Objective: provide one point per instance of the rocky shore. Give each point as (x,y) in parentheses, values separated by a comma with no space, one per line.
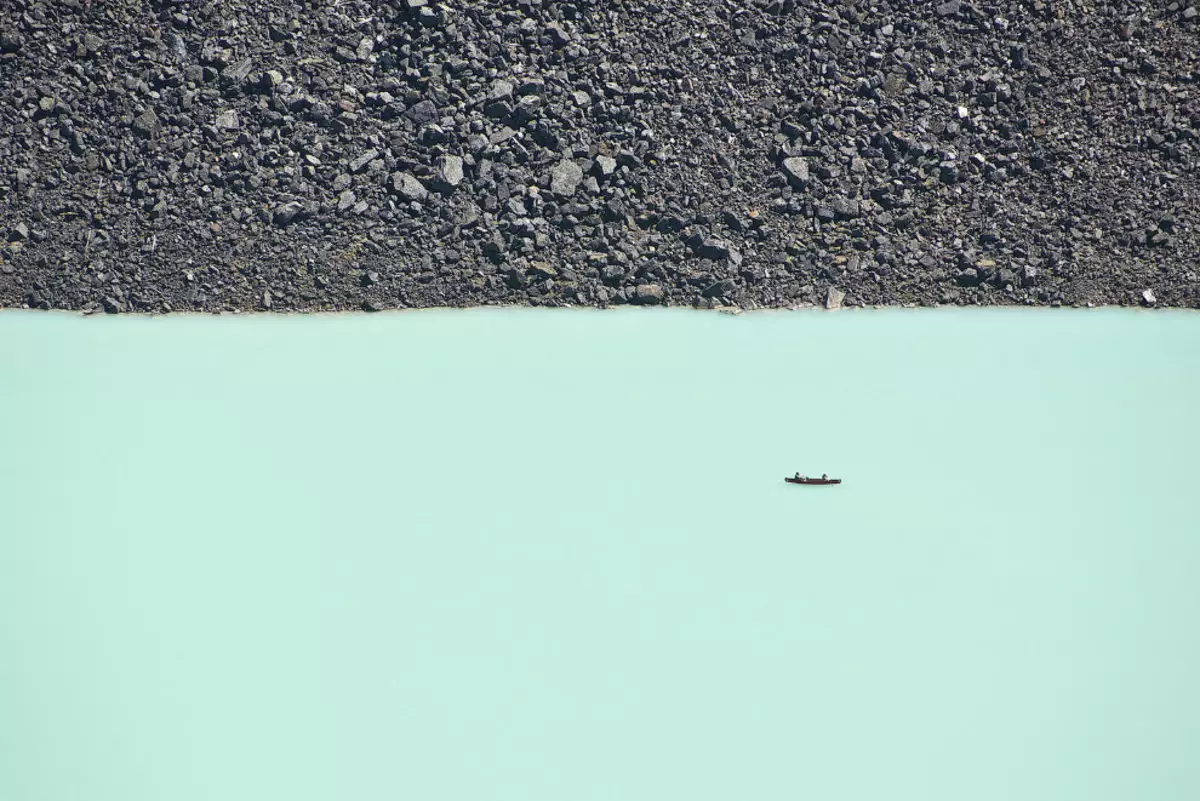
(160,155)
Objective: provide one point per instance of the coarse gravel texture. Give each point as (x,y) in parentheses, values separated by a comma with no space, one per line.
(161,155)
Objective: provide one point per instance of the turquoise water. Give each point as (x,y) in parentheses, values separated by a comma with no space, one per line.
(549,555)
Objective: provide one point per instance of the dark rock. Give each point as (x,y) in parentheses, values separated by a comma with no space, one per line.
(845,208)
(715,249)
(516,279)
(670,224)
(361,162)
(968,277)
(719,289)
(288,213)
(146,123)
(235,75)
(11,41)
(422,113)
(557,36)
(497,103)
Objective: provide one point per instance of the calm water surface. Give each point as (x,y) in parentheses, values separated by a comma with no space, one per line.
(534,556)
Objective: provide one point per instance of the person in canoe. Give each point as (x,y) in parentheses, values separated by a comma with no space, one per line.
(798,476)
(824,476)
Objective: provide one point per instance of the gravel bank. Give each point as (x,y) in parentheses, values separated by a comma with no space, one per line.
(162,155)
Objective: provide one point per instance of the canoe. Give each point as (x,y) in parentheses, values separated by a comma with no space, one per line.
(806,480)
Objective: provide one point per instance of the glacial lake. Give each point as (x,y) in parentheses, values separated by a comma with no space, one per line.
(528,555)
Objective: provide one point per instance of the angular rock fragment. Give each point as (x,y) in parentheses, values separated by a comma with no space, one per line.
(407,186)
(796,170)
(968,277)
(288,213)
(719,289)
(648,295)
(449,174)
(362,161)
(715,249)
(565,178)
(845,208)
(11,41)
(227,120)
(146,123)
(422,113)
(605,166)
(558,37)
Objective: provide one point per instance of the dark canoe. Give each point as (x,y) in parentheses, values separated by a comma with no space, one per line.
(806,480)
